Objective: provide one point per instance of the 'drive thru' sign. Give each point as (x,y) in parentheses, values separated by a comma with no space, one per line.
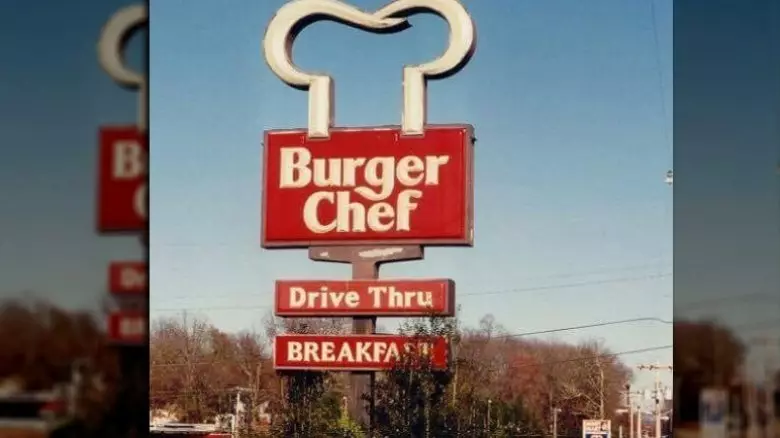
(365,297)
(371,185)
(355,352)
(122,189)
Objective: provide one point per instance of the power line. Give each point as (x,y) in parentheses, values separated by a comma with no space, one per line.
(579,327)
(495,292)
(729,299)
(607,355)
(571,285)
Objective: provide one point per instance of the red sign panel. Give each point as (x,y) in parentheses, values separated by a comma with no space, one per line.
(127,278)
(368,186)
(122,180)
(354,352)
(127,327)
(365,297)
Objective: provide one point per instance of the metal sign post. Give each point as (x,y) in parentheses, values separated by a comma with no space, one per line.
(365,195)
(123,207)
(122,180)
(365,263)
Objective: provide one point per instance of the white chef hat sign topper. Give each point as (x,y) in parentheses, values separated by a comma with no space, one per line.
(119,28)
(297,14)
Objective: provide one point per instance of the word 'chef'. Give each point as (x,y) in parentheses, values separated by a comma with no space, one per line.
(339,177)
(359,352)
(379,297)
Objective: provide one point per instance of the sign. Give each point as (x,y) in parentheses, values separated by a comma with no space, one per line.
(368,185)
(127,327)
(596,428)
(713,413)
(393,185)
(127,278)
(365,297)
(111,44)
(122,161)
(354,352)
(122,180)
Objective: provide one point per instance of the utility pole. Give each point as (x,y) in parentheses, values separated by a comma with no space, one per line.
(630,413)
(639,421)
(657,414)
(490,403)
(239,411)
(630,407)
(768,402)
(555,422)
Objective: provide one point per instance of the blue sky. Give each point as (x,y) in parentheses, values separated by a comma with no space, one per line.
(726,215)
(54,99)
(571,102)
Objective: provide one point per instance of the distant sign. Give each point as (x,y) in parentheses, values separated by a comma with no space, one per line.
(596,428)
(713,413)
(365,297)
(122,187)
(368,186)
(127,278)
(354,352)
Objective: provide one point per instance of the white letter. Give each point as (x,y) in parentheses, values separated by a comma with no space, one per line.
(311,352)
(297,297)
(377,292)
(310,217)
(294,351)
(357,222)
(404,207)
(328,354)
(432,165)
(352,299)
(128,160)
(330,177)
(139,201)
(350,171)
(345,354)
(376,213)
(408,165)
(379,172)
(294,169)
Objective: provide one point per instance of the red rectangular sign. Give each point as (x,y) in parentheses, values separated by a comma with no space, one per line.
(122,180)
(368,186)
(354,352)
(365,297)
(127,278)
(127,327)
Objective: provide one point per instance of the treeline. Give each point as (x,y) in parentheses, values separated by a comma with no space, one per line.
(42,347)
(497,385)
(194,369)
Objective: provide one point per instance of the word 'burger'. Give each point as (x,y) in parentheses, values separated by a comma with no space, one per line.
(374,179)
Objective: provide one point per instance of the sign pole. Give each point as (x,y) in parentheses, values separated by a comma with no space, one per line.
(123,207)
(365,261)
(388,192)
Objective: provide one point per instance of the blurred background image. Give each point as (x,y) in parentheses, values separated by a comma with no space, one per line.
(727,218)
(68,347)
